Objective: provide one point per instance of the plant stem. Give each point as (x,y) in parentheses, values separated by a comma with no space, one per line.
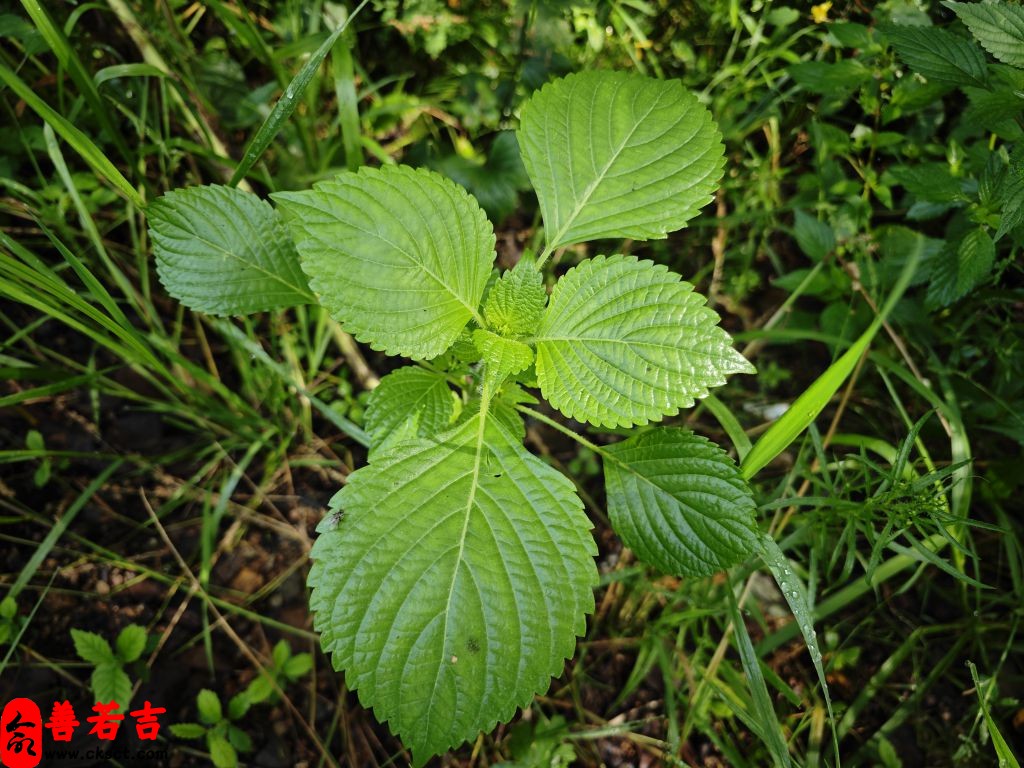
(565,431)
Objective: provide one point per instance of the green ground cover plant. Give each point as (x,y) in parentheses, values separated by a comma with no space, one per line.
(109,681)
(490,266)
(456,570)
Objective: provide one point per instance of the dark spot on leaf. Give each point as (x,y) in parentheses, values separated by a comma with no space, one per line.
(472,645)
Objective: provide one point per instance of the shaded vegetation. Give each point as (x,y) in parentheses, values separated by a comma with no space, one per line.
(166,469)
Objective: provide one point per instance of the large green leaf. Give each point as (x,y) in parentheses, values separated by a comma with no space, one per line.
(409,402)
(614,154)
(400,256)
(939,55)
(958,269)
(931,182)
(451,582)
(999,27)
(625,342)
(678,501)
(224,252)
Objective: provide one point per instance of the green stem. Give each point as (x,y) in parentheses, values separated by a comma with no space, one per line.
(566,431)
(545,255)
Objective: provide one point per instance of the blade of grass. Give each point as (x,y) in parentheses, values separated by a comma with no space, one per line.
(839,600)
(89,227)
(1003,751)
(796,595)
(28,620)
(806,408)
(287,103)
(65,53)
(730,424)
(137,69)
(65,384)
(348,105)
(252,347)
(764,712)
(81,143)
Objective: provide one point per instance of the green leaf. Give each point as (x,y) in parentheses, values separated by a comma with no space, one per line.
(822,77)
(678,501)
(809,404)
(1003,751)
(110,683)
(260,689)
(516,301)
(238,705)
(999,27)
(298,665)
(239,739)
(795,593)
(188,730)
(451,582)
(625,342)
(614,154)
(939,55)
(34,440)
(956,272)
(761,715)
(222,753)
(131,642)
(281,653)
(224,252)
(8,608)
(849,34)
(502,357)
(408,402)
(91,647)
(209,706)
(400,256)
(289,100)
(1010,195)
(987,109)
(815,238)
(931,182)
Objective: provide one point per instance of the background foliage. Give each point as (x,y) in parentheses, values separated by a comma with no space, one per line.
(167,469)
